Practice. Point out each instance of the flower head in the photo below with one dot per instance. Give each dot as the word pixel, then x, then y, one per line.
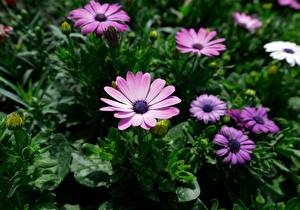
pixel 248 22
pixel 199 43
pixel 235 114
pixel 237 146
pixel 290 3
pixel 284 50
pixel 96 17
pixel 208 108
pixel 4 32
pixel 14 121
pixel 257 121
pixel 138 102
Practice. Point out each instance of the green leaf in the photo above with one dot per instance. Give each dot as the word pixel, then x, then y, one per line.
pixel 91 170
pixel 293 204
pixel 199 205
pixel 189 192
pixel 52 165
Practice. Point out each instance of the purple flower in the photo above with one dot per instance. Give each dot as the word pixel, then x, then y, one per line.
pixel 95 17
pixel 235 114
pixel 237 146
pixel 290 3
pixel 248 22
pixel 257 121
pixel 138 102
pixel 199 43
pixel 208 108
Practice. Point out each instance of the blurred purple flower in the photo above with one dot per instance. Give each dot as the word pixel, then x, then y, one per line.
pixel 235 114
pixel 96 17
pixel 237 146
pixel 5 32
pixel 199 43
pixel 290 3
pixel 139 102
pixel 208 108
pixel 257 121
pixel 248 22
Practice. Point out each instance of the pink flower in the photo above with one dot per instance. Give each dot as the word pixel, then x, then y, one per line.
pixel 5 32
pixel 199 43
pixel 290 3
pixel 248 22
pixel 138 102
pixel 95 17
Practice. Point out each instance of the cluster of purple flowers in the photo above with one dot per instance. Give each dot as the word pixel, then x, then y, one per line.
pixel 237 147
pixel 141 102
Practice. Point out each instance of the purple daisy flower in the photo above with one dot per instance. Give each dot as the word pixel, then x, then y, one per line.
pixel 140 102
pixel 199 43
pixel 208 108
pixel 235 114
pixel 248 22
pixel 237 145
pixel 96 17
pixel 290 3
pixel 257 121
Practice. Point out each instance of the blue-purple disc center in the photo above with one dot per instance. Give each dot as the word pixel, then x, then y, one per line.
pixel 140 107
pixel 290 51
pixel 197 46
pixel 100 17
pixel 234 145
pixel 259 120
pixel 207 108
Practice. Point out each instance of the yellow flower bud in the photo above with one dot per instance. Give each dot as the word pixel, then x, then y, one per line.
pixel 65 27
pixel 250 92
pixel 14 121
pixel 153 35
pixel 161 128
pixel 114 84
pixel 272 70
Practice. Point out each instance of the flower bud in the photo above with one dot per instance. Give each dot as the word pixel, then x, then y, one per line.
pixel 14 121
pixel 267 5
pixel 111 36
pixel 272 70
pixel 161 128
pixel 213 64
pixel 250 92
pixel 153 35
pixel 114 84
pixel 65 27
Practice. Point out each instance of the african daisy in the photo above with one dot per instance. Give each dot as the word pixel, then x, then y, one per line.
pixel 237 147
pixel 140 102
pixel 256 119
pixel 248 22
pixel 208 108
pixel 284 50
pixel 96 17
pixel 189 41
pixel 290 3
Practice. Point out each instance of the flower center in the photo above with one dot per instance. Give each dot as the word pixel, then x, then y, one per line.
pixel 290 51
pixel 140 107
pixel 234 145
pixel 207 108
pixel 198 46
pixel 100 17
pixel 259 119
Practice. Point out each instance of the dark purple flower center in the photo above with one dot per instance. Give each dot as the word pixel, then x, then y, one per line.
pixel 207 108
pixel 259 120
pixel 290 51
pixel 100 17
pixel 234 145
pixel 140 107
pixel 198 46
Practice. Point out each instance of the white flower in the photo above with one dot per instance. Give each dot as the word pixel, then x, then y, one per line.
pixel 284 50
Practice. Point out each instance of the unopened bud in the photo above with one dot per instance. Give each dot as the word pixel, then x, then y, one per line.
pixel 65 27
pixel 272 70
pixel 161 128
pixel 114 84
pixel 111 36
pixel 153 35
pixel 250 92
pixel 14 121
